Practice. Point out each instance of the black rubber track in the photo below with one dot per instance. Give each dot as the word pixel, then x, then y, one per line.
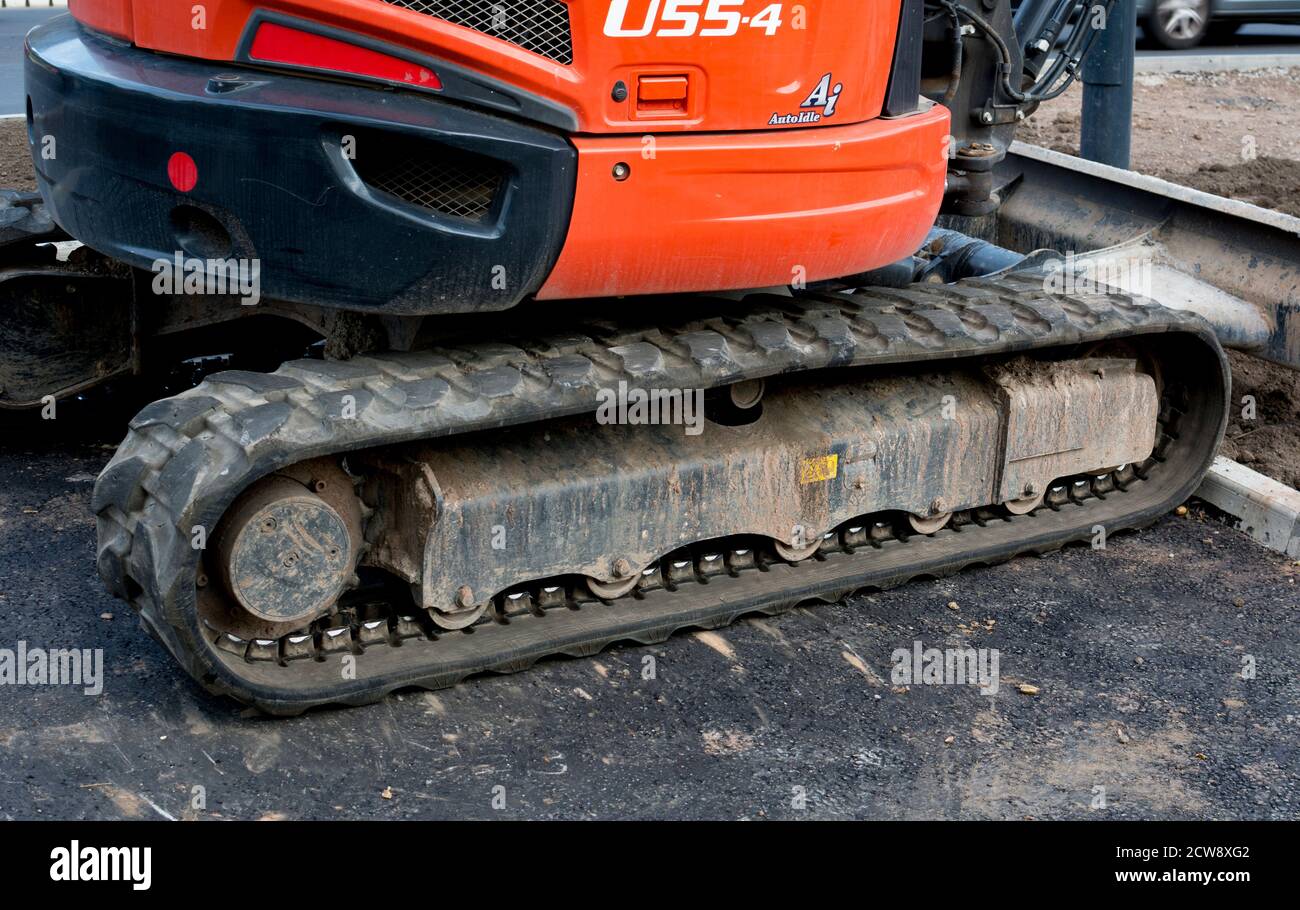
pixel 186 458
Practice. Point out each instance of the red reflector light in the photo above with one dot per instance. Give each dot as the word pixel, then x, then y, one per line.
pixel 280 44
pixel 182 172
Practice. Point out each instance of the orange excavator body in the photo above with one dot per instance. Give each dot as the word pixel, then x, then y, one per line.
pixel 718 144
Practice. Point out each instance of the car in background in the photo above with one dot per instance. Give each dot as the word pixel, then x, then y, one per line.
pixel 1178 24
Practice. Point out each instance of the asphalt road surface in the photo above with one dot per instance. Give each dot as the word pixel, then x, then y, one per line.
pixel 1136 651
pixel 14 24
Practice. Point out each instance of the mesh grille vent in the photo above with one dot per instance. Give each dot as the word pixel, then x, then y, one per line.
pixel 540 26
pixel 435 178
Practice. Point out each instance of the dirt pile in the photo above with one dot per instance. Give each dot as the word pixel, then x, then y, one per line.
pixel 1183 123
pixel 15 162
pixel 1231 134
pixel 1058 132
pixel 1273 183
pixel 1269 439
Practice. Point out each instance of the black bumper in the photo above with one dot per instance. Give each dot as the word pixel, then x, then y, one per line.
pixel 342 195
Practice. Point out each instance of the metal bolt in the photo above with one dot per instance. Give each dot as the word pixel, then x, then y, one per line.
pixel 465 596
pixel 622 171
pixel 1042 45
pixel 620 91
pixel 986 117
pixel 1020 115
pixel 622 568
pixel 268 524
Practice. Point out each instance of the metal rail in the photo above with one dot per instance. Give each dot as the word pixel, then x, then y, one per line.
pixel 1235 264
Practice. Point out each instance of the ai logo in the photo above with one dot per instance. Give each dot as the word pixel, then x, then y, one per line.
pixel 818 106
pixel 824 96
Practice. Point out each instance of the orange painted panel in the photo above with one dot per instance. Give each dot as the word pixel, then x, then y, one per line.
pixel 110 16
pixel 755 64
pixel 732 211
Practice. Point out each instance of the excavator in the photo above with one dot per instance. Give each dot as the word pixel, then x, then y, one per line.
pixel 583 322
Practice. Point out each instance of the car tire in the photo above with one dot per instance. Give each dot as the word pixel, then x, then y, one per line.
pixel 1178 24
pixel 1222 30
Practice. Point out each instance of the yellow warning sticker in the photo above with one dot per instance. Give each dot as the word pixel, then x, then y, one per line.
pixel 817 470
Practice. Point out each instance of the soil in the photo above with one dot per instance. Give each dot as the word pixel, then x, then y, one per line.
pixel 1232 134
pixel 15 161
pixel 1272 183
pixel 1269 439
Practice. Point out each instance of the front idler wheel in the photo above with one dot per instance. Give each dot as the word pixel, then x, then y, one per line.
pixel 287 550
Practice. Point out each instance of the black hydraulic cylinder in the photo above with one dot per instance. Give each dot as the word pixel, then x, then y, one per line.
pixel 1108 88
pixel 955 256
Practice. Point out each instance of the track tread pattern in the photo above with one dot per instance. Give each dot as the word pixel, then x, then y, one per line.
pixel 186 458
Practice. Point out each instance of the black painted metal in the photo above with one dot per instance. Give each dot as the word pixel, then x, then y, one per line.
pixel 968 60
pixel 1107 131
pixel 954 256
pixel 1248 257
pixel 276 173
pixel 904 89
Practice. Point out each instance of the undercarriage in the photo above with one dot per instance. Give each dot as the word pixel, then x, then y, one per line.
pixel 435 515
